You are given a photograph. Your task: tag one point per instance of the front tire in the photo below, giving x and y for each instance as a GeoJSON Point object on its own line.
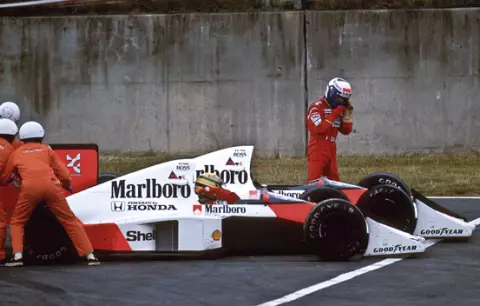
{"type": "Point", "coordinates": [389, 205]}
{"type": "Point", "coordinates": [335, 230]}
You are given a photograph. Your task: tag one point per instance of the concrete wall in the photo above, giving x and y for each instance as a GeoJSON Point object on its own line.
{"type": "Point", "coordinates": [415, 76]}
{"type": "Point", "coordinates": [165, 83]}
{"type": "Point", "coordinates": [186, 83]}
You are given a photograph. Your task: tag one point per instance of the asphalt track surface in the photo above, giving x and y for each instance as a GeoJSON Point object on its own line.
{"type": "Point", "coordinates": [445, 274]}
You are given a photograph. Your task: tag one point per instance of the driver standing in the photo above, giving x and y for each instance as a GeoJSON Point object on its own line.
{"type": "Point", "coordinates": [325, 118]}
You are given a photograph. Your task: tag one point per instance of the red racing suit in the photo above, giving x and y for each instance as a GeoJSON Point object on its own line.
{"type": "Point", "coordinates": [323, 124]}
{"type": "Point", "coordinates": [218, 194]}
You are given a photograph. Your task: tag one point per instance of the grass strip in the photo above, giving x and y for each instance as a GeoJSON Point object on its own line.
{"type": "Point", "coordinates": [431, 174]}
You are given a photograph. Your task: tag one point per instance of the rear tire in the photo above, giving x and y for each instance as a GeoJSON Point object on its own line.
{"type": "Point", "coordinates": [318, 194]}
{"type": "Point", "coordinates": [384, 178]}
{"type": "Point", "coordinates": [335, 230]}
{"type": "Point", "coordinates": [389, 205]}
{"type": "Point", "coordinates": [46, 241]}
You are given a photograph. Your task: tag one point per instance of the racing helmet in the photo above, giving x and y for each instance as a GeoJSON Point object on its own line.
{"type": "Point", "coordinates": [338, 92]}
{"type": "Point", "coordinates": [31, 129]}
{"type": "Point", "coordinates": [208, 180]}
{"type": "Point", "coordinates": [10, 110]}
{"type": "Point", "coordinates": [8, 127]}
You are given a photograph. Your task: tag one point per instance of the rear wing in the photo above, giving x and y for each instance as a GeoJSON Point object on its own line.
{"type": "Point", "coordinates": [83, 162]}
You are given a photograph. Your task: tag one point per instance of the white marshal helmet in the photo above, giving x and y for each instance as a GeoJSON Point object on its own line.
{"type": "Point", "coordinates": [10, 110]}
{"type": "Point", "coordinates": [31, 129]}
{"type": "Point", "coordinates": [8, 127]}
{"type": "Point", "coordinates": [337, 88]}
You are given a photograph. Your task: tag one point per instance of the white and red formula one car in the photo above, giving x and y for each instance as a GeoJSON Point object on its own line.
{"type": "Point", "coordinates": [156, 210]}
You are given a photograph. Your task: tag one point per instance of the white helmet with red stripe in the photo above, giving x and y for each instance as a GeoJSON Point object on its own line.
{"type": "Point", "coordinates": [338, 92]}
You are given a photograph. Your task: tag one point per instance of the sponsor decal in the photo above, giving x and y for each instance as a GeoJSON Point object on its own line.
{"type": "Point", "coordinates": [173, 176]}
{"type": "Point", "coordinates": [254, 194]}
{"type": "Point", "coordinates": [381, 190]}
{"type": "Point", "coordinates": [230, 162]}
{"type": "Point", "coordinates": [183, 166]}
{"type": "Point", "coordinates": [228, 176]}
{"type": "Point", "coordinates": [395, 249]}
{"type": "Point", "coordinates": [74, 163]}
{"type": "Point", "coordinates": [315, 228]}
{"type": "Point", "coordinates": [149, 189]}
{"type": "Point", "coordinates": [316, 119]}
{"type": "Point", "coordinates": [290, 193]}
{"type": "Point", "coordinates": [225, 209]}
{"type": "Point", "coordinates": [386, 181]}
{"type": "Point", "coordinates": [32, 150]}
{"type": "Point", "coordinates": [240, 153]}
{"type": "Point", "coordinates": [315, 224]}
{"type": "Point", "coordinates": [197, 209]}
{"type": "Point", "coordinates": [118, 206]}
{"type": "Point", "coordinates": [139, 236]}
{"type": "Point", "coordinates": [216, 235]}
{"type": "Point", "coordinates": [50, 256]}
{"type": "Point", "coordinates": [441, 231]}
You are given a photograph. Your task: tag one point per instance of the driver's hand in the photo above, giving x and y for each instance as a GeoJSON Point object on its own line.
{"type": "Point", "coordinates": [208, 192]}
{"type": "Point", "coordinates": [349, 105]}
{"type": "Point", "coordinates": [347, 115]}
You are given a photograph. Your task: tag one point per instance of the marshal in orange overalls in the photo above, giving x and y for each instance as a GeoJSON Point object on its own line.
{"type": "Point", "coordinates": [39, 167]}
{"type": "Point", "coordinates": [6, 149]}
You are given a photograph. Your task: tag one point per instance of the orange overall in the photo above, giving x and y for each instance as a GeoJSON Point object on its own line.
{"type": "Point", "coordinates": [6, 150]}
{"type": "Point", "coordinates": [38, 168]}
{"type": "Point", "coordinates": [17, 143]}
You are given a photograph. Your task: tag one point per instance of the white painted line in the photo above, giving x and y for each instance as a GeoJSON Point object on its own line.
{"type": "Point", "coordinates": [346, 276]}
{"type": "Point", "coordinates": [452, 197]}
{"type": "Point", "coordinates": [339, 279]}
{"type": "Point", "coordinates": [17, 4]}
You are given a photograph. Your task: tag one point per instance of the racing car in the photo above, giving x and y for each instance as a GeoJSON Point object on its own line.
{"type": "Point", "coordinates": [155, 210]}
{"type": "Point", "coordinates": [382, 196]}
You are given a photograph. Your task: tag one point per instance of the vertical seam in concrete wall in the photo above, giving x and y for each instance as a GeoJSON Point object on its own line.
{"type": "Point", "coordinates": [305, 76]}
{"type": "Point", "coordinates": [167, 91]}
